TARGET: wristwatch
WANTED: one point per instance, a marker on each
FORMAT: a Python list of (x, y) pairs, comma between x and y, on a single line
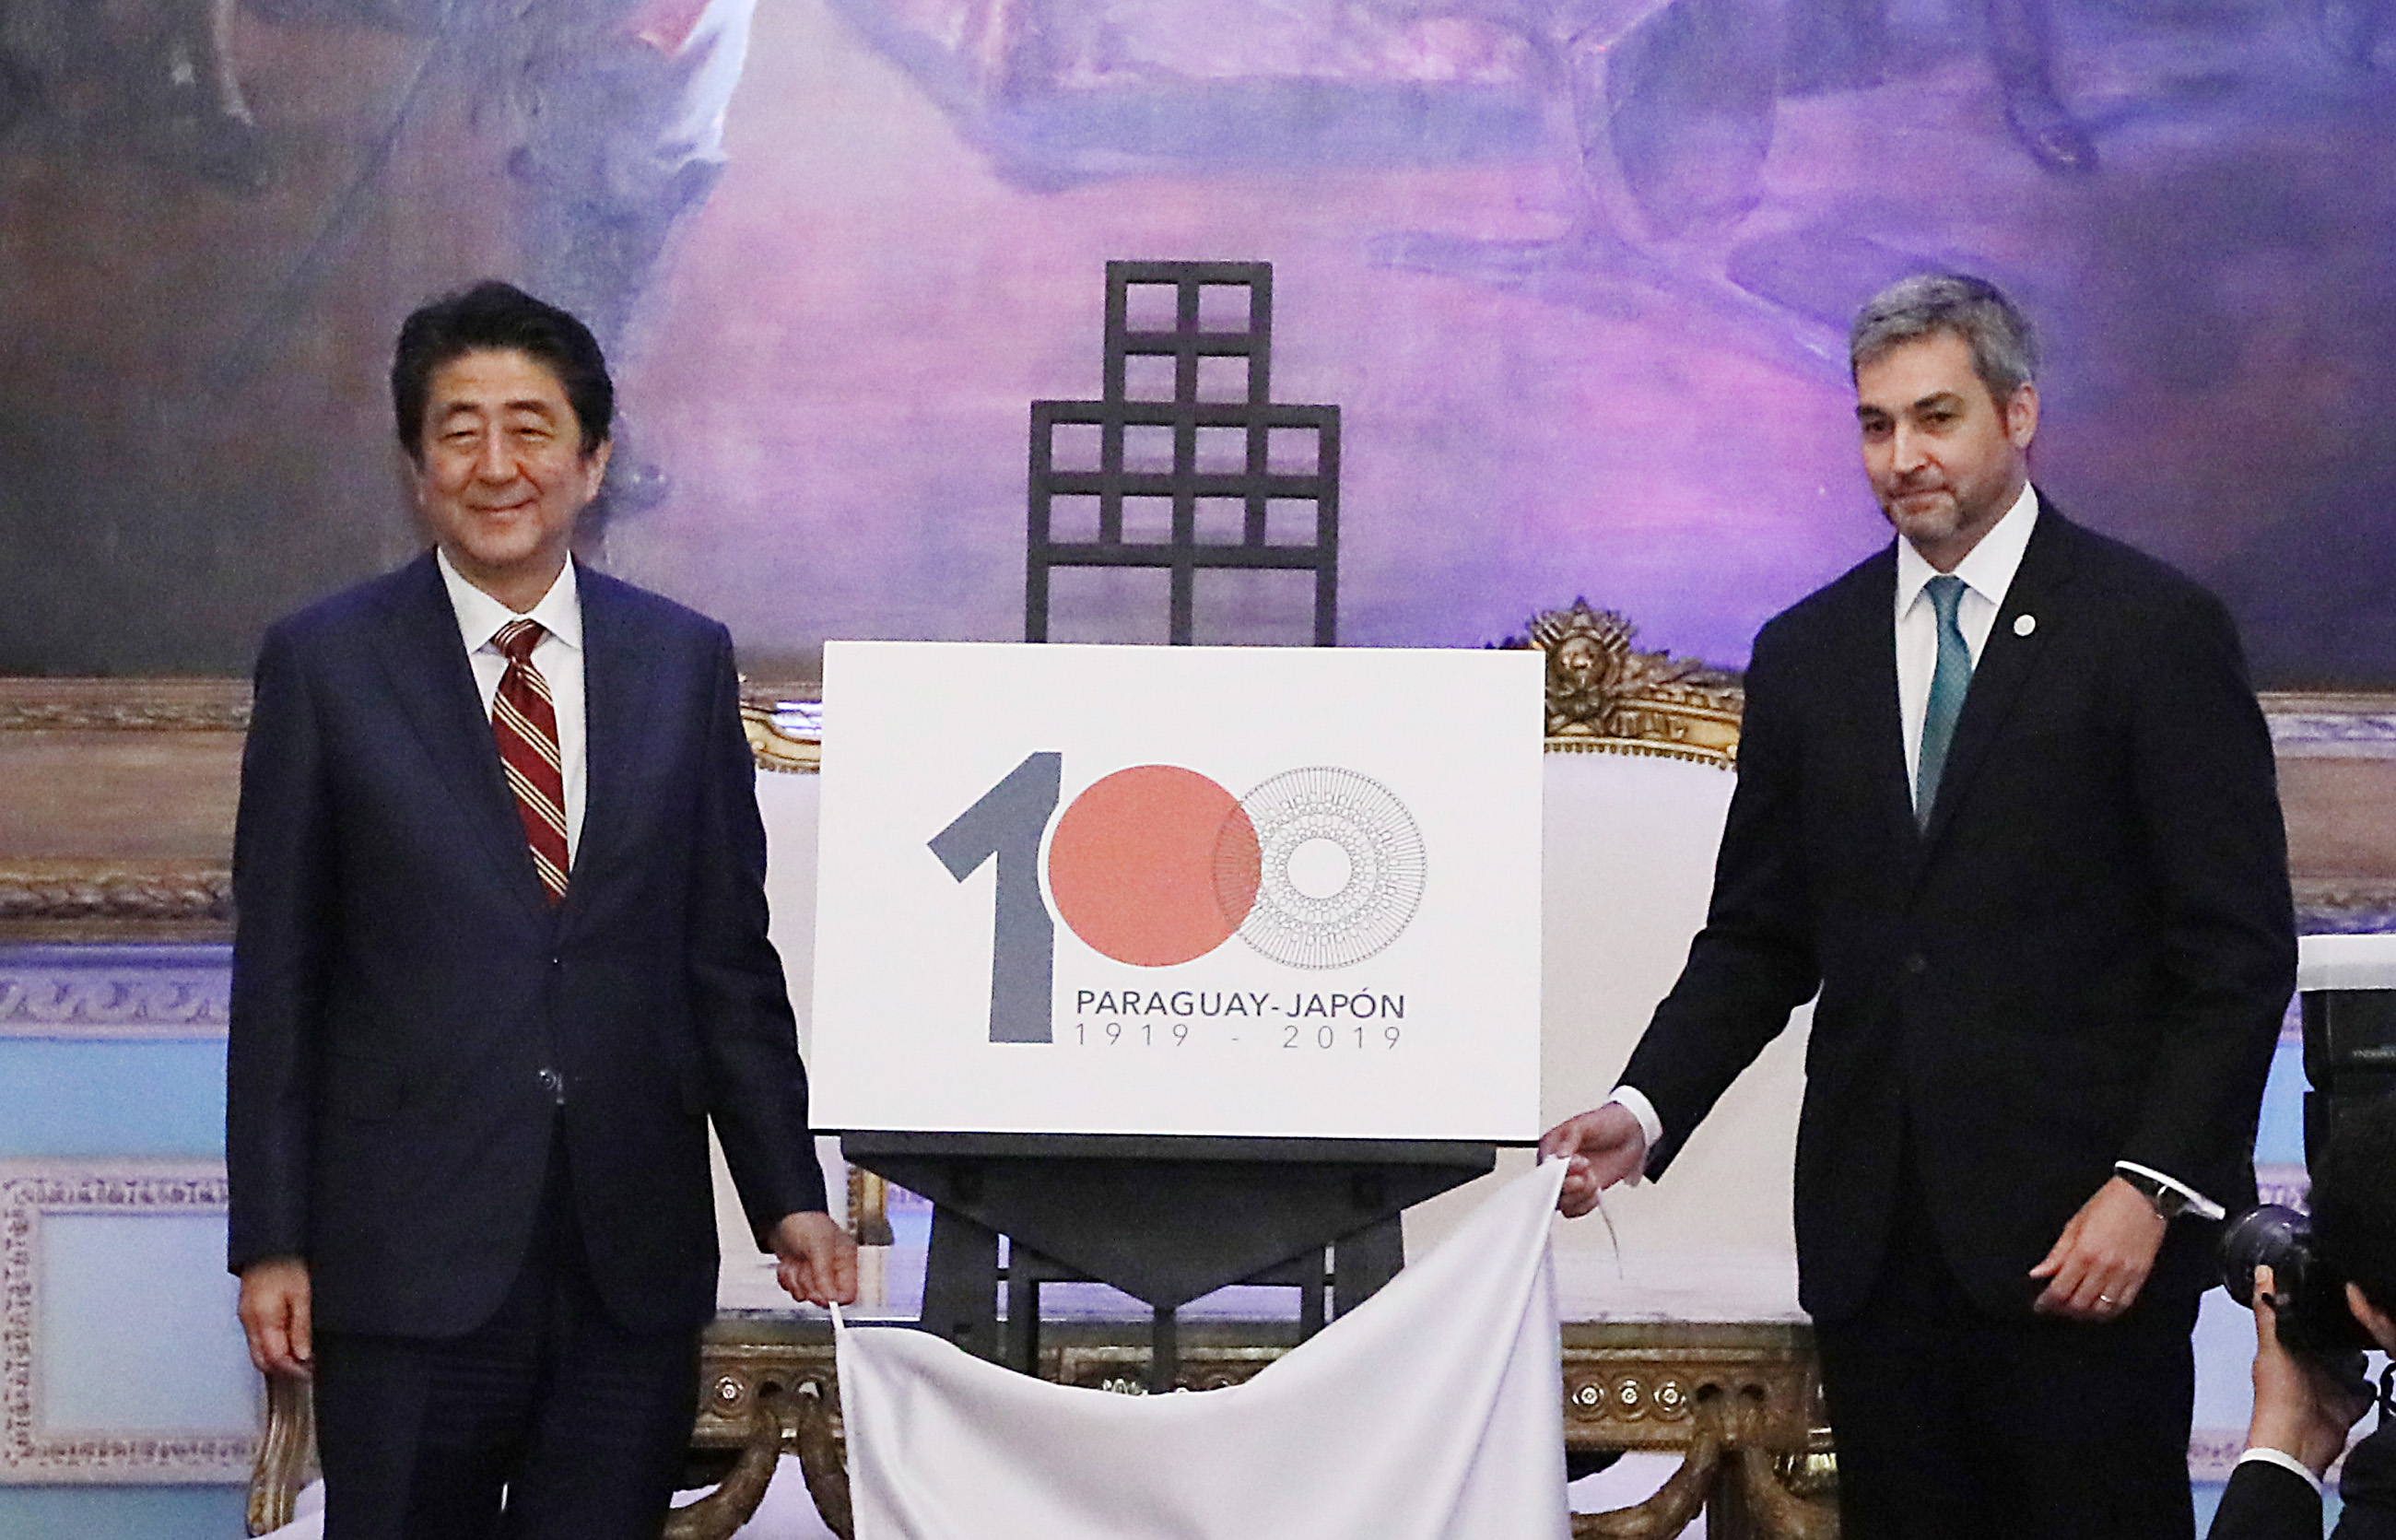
[(2167, 1201)]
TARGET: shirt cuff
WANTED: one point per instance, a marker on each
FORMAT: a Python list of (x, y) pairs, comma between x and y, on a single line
[(2285, 1460), (2198, 1203), (1635, 1101)]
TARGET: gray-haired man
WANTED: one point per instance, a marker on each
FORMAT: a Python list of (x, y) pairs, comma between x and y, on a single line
[(2007, 804)]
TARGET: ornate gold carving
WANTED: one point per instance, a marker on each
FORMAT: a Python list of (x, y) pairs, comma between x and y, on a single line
[(1814, 1473), (222, 705), (1598, 698), (1631, 1398), (286, 1454), (823, 1458), (1603, 696), (735, 1497), (1123, 1368), (28, 1453), (868, 1208), (1731, 1467), (104, 899), (124, 705), (1668, 1511), (1741, 1401), (1772, 1508), (1639, 1385), (760, 1400), (778, 742), (93, 901), (771, 1388)]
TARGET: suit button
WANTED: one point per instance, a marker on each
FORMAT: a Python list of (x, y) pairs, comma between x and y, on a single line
[(557, 962), (554, 1083), (1917, 965)]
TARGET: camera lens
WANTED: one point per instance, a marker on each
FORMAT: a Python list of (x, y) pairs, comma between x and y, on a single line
[(2307, 1300), (2270, 1236)]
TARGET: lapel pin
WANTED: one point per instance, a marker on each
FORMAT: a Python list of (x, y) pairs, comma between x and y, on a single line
[(2025, 624)]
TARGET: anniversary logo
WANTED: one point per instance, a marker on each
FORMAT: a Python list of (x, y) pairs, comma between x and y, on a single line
[(1156, 864)]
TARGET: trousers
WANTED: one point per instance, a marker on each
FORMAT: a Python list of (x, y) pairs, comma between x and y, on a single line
[(548, 1421)]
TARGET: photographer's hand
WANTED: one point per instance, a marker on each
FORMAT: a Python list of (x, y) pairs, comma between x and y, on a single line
[(2302, 1408)]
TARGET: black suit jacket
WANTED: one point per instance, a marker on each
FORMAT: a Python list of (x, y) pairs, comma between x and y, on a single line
[(400, 983), (2264, 1502), (2084, 958)]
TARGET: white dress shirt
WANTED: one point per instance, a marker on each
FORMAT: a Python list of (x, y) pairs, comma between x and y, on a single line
[(2265, 1454), (558, 656), (1988, 572)]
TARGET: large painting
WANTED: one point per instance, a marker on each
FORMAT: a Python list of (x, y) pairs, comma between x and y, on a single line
[(1574, 272)]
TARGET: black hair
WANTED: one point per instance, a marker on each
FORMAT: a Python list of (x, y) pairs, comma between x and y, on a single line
[(496, 317)]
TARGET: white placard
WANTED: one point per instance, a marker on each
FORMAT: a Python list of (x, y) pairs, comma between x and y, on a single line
[(1186, 890)]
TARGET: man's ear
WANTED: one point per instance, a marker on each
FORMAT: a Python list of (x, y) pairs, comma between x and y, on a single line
[(2022, 415), (411, 482), (2375, 1321), (594, 468)]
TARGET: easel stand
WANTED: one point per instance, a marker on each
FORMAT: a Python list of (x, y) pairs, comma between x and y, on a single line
[(1165, 1219)]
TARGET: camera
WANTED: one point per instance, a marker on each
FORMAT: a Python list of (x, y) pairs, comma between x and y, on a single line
[(2308, 1297), (2349, 1025), (2348, 999)]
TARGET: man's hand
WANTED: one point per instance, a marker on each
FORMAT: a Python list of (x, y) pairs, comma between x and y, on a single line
[(2102, 1260), (2301, 1407), (818, 1258), (274, 1316), (1604, 1147)]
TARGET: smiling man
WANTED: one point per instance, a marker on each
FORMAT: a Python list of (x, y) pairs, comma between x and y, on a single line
[(500, 958), (2006, 813)]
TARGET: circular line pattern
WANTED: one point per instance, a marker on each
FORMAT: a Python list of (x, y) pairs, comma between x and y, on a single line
[(1385, 866)]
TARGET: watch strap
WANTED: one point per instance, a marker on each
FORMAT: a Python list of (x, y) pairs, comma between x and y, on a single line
[(2165, 1200)]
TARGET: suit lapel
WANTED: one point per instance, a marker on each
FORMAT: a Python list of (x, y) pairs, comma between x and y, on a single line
[(426, 663), (2006, 661), (616, 714), (1883, 748)]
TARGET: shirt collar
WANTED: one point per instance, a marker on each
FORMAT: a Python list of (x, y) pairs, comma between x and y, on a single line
[(1988, 569), (480, 616)]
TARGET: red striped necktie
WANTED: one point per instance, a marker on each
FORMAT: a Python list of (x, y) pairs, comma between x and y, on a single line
[(523, 719)]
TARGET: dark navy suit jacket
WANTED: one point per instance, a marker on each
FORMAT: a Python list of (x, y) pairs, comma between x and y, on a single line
[(2082, 960), (401, 985), (2263, 1501)]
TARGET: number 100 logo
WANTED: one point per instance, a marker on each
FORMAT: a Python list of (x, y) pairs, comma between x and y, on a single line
[(1315, 867)]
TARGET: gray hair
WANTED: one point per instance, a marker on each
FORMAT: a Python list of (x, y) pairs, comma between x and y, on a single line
[(2004, 348)]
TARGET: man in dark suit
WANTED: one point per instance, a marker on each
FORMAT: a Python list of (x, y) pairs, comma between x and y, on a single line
[(2007, 802), (501, 956), (2302, 1408)]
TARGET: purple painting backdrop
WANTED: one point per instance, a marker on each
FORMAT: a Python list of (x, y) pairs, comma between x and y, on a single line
[(1577, 276)]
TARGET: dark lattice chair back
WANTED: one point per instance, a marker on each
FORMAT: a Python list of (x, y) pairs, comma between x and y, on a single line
[(1185, 463)]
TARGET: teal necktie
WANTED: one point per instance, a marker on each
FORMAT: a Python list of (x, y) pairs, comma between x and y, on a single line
[(1947, 687)]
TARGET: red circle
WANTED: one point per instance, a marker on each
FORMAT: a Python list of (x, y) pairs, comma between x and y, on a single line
[(1153, 866)]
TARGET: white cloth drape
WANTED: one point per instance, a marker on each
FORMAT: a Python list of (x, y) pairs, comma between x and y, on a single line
[(1435, 1412)]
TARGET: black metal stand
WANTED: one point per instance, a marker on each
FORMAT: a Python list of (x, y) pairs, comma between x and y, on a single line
[(1164, 1219)]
